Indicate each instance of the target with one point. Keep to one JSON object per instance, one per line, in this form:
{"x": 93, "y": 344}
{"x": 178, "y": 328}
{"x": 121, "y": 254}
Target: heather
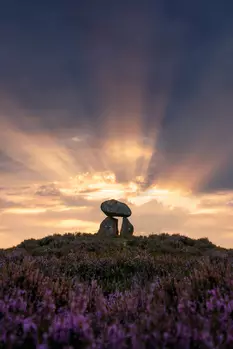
{"x": 83, "y": 291}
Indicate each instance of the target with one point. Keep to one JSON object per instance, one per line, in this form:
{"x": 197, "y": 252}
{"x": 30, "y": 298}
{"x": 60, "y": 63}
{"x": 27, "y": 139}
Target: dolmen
{"x": 109, "y": 226}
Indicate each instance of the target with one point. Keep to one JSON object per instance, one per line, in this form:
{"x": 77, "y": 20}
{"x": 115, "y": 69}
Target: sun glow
{"x": 103, "y": 186}
{"x": 68, "y": 187}
{"x": 76, "y": 223}
{"x": 25, "y": 210}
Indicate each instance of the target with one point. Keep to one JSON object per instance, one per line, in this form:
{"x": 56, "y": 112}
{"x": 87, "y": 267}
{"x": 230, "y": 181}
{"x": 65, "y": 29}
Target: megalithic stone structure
{"x": 114, "y": 208}
{"x": 127, "y": 228}
{"x": 109, "y": 226}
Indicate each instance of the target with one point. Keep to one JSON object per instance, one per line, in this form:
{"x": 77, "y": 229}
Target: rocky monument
{"x": 109, "y": 226}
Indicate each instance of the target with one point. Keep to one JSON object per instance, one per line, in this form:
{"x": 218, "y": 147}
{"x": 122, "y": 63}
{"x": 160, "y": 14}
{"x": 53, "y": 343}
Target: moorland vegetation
{"x": 86, "y": 291}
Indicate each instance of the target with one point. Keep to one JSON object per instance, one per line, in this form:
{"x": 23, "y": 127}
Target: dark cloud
{"x": 76, "y": 65}
{"x": 75, "y": 201}
{"x": 51, "y": 56}
{"x": 4, "y": 204}
{"x": 7, "y": 164}
{"x": 221, "y": 180}
{"x": 196, "y": 130}
{"x": 48, "y": 190}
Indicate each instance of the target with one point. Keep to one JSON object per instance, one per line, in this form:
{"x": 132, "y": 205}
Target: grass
{"x": 82, "y": 291}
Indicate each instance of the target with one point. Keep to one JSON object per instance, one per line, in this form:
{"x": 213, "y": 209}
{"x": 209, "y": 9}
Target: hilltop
{"x": 154, "y": 244}
{"x": 85, "y": 291}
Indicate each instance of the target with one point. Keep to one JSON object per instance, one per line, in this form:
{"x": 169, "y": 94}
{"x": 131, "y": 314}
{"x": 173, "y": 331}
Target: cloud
{"x": 158, "y": 211}
{"x": 6, "y": 204}
{"x": 75, "y": 201}
{"x": 194, "y": 143}
{"x": 7, "y": 164}
{"x": 48, "y": 190}
{"x": 136, "y": 106}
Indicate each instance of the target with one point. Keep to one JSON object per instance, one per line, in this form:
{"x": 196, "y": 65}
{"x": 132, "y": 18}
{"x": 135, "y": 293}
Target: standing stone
{"x": 127, "y": 228}
{"x": 109, "y": 227}
{"x": 114, "y": 208}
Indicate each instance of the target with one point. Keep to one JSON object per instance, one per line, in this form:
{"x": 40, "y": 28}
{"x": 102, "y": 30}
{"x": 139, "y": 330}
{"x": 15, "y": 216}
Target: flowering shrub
{"x": 129, "y": 295}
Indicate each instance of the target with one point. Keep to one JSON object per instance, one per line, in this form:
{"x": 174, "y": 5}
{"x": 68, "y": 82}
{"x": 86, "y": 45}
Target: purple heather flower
{"x": 42, "y": 346}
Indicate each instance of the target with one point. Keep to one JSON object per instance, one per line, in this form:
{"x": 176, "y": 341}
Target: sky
{"x": 127, "y": 100}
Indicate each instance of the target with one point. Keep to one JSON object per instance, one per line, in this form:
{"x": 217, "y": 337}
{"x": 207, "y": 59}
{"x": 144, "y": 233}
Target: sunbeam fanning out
{"x": 121, "y": 101}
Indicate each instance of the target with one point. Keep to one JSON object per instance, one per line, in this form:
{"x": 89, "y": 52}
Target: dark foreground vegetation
{"x": 82, "y": 291}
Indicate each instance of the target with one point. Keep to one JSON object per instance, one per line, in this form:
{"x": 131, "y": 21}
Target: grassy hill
{"x": 154, "y": 244}
{"x": 161, "y": 291}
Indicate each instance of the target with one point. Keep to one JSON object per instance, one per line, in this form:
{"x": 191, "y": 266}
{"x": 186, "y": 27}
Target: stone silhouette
{"x": 127, "y": 228}
{"x": 114, "y": 208}
{"x": 109, "y": 226}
